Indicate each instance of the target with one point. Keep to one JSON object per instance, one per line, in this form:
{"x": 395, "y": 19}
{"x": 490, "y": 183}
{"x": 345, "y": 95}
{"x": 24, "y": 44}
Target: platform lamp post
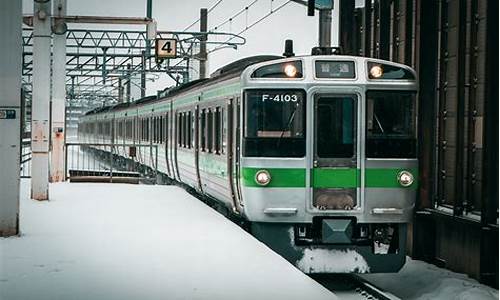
{"x": 58, "y": 111}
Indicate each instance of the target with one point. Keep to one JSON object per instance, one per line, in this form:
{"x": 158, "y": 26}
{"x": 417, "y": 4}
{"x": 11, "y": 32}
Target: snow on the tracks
{"x": 117, "y": 241}
{"x": 418, "y": 280}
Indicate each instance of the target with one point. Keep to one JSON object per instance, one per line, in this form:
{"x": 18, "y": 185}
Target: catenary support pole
{"x": 41, "y": 100}
{"x": 58, "y": 111}
{"x": 10, "y": 102}
{"x": 325, "y": 27}
{"x": 203, "y": 43}
{"x": 147, "y": 53}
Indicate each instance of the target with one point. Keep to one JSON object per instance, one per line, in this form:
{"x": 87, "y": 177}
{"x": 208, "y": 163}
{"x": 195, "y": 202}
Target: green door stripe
{"x": 335, "y": 178}
{"x": 329, "y": 177}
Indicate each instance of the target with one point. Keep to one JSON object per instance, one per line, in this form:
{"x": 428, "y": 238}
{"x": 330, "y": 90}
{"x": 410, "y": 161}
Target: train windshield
{"x": 274, "y": 123}
{"x": 390, "y": 124}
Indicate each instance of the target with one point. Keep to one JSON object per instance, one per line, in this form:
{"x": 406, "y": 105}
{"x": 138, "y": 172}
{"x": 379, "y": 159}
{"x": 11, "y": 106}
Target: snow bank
{"x": 118, "y": 241}
{"x": 418, "y": 280}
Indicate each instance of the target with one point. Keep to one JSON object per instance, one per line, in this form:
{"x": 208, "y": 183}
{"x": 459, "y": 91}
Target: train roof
{"x": 228, "y": 70}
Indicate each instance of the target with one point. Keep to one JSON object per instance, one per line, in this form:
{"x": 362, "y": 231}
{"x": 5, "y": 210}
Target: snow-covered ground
{"x": 117, "y": 241}
{"x": 418, "y": 280}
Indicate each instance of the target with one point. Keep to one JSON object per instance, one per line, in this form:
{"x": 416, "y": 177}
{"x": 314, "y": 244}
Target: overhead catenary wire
{"x": 208, "y": 11}
{"x": 237, "y": 14}
{"x": 253, "y": 24}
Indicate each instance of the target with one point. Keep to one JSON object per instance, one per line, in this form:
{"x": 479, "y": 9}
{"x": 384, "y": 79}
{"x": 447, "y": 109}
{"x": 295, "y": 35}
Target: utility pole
{"x": 203, "y": 43}
{"x": 120, "y": 90}
{"x": 10, "y": 113}
{"x": 129, "y": 81}
{"x": 147, "y": 53}
{"x": 41, "y": 100}
{"x": 143, "y": 74}
{"x": 58, "y": 119}
{"x": 325, "y": 19}
{"x": 325, "y": 27}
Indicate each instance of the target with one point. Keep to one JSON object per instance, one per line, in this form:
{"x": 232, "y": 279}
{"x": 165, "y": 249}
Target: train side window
{"x": 143, "y": 129}
{"x": 217, "y": 131}
{"x": 158, "y": 129}
{"x": 183, "y": 128}
{"x": 188, "y": 142}
{"x": 146, "y": 129}
{"x": 179, "y": 129}
{"x": 186, "y": 129}
{"x": 210, "y": 130}
{"x": 152, "y": 127}
{"x": 224, "y": 130}
{"x": 193, "y": 123}
{"x": 162, "y": 124}
{"x": 203, "y": 132}
{"x": 166, "y": 128}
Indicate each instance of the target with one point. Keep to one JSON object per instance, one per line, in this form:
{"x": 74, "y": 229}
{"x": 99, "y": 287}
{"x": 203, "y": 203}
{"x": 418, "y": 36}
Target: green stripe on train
{"x": 328, "y": 177}
{"x": 335, "y": 178}
{"x": 279, "y": 177}
{"x": 387, "y": 178}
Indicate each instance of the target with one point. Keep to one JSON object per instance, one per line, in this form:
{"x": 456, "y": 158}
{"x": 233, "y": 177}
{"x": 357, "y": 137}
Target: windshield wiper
{"x": 289, "y": 122}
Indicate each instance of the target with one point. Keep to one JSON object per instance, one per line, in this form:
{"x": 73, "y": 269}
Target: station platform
{"x": 124, "y": 241}
{"x": 133, "y": 241}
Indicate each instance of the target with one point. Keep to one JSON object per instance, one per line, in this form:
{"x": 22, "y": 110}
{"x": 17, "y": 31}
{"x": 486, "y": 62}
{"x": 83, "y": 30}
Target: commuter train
{"x": 317, "y": 153}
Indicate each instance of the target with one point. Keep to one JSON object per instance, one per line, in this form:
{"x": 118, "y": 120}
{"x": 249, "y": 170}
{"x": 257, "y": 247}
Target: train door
{"x": 335, "y": 175}
{"x": 165, "y": 141}
{"x": 235, "y": 147}
{"x": 231, "y": 153}
{"x": 171, "y": 139}
{"x": 176, "y": 115}
{"x": 197, "y": 145}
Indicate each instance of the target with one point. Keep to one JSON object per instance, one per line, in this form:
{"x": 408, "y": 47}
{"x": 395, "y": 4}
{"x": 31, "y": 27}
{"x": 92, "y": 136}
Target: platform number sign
{"x": 166, "y": 48}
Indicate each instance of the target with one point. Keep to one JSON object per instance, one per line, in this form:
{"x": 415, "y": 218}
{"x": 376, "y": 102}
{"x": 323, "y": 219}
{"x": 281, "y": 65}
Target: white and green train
{"x": 317, "y": 153}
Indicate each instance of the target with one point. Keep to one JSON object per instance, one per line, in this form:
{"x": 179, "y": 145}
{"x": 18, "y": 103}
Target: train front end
{"x": 328, "y": 169}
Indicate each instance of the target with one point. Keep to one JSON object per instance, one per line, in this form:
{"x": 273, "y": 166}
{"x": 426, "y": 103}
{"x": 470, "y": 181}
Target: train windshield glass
{"x": 274, "y": 123}
{"x": 390, "y": 124}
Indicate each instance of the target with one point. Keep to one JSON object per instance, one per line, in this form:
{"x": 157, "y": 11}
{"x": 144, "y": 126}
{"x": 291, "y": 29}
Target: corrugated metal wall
{"x": 453, "y": 44}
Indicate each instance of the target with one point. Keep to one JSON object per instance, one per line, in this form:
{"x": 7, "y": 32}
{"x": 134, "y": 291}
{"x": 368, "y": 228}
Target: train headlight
{"x": 405, "y": 178}
{"x": 262, "y": 177}
{"x": 290, "y": 70}
{"x": 376, "y": 71}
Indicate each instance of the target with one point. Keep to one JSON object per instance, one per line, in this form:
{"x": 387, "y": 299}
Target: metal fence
{"x": 25, "y": 158}
{"x": 102, "y": 162}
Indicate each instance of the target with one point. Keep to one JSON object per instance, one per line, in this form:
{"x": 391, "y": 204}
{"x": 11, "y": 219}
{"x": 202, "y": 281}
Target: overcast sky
{"x": 267, "y": 37}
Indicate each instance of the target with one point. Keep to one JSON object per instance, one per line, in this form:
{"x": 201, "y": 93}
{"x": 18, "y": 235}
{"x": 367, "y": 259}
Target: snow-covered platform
{"x": 118, "y": 241}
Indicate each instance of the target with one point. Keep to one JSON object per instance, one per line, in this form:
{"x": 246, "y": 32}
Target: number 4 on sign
{"x": 166, "y": 48}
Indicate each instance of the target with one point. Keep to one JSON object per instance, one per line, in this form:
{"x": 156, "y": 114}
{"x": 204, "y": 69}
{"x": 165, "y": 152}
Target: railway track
{"x": 352, "y": 287}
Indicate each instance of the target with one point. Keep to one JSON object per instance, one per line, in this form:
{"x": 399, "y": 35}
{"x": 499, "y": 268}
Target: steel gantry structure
{"x": 105, "y": 62}
{"x": 67, "y": 71}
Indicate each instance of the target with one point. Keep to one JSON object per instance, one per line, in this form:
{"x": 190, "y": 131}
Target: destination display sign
{"x": 335, "y": 69}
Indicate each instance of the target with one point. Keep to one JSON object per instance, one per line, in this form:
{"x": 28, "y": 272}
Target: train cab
{"x": 328, "y": 159}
